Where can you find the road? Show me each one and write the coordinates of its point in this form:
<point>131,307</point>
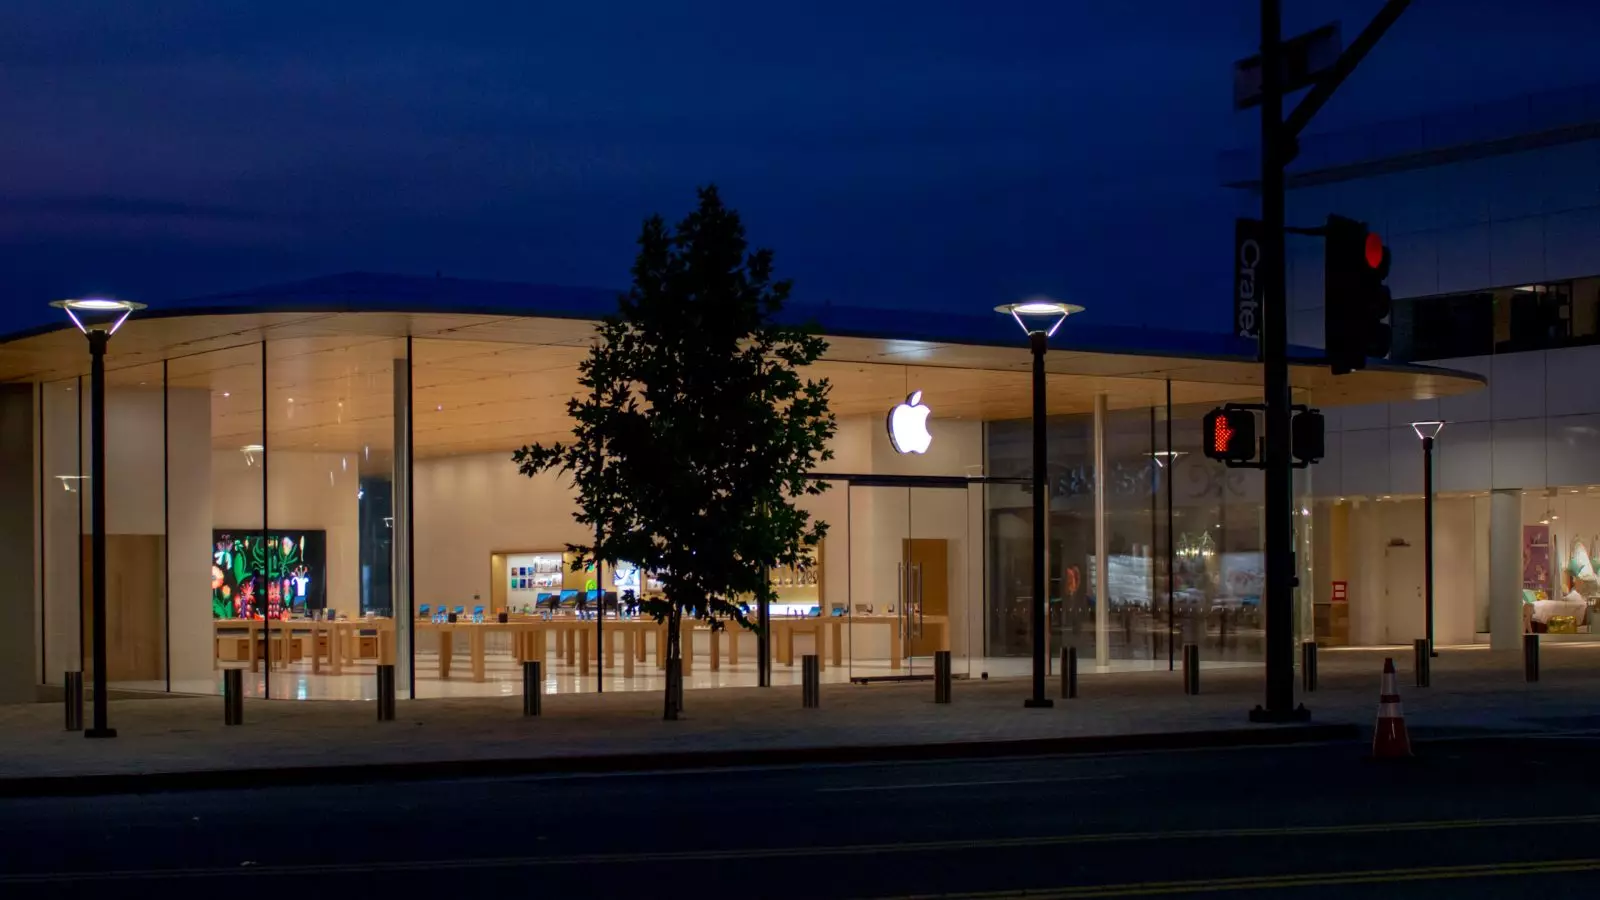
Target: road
<point>1482,818</point>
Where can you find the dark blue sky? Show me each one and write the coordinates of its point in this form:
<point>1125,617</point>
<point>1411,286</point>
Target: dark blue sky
<point>953,157</point>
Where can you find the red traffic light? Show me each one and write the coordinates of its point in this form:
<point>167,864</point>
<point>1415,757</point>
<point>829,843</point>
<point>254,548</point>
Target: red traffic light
<point>1374,249</point>
<point>1229,434</point>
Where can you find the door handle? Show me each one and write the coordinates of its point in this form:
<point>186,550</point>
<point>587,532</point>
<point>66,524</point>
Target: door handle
<point>899,597</point>
<point>922,606</point>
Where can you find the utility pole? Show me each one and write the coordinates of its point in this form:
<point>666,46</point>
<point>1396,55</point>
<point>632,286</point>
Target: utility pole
<point>1279,488</point>
<point>1279,147</point>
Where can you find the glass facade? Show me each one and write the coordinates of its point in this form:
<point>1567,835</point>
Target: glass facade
<point>308,508</point>
<point>1183,542</point>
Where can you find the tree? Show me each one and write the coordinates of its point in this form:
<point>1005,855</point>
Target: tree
<point>696,431</point>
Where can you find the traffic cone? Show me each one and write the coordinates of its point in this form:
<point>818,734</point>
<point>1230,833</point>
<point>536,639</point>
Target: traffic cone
<point>1390,740</point>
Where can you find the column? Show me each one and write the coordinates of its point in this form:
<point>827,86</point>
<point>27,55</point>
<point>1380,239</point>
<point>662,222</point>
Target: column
<point>19,558</point>
<point>401,511</point>
<point>1102,613</point>
<point>1505,570</point>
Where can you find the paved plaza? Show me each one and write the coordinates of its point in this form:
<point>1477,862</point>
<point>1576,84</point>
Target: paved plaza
<point>1474,691</point>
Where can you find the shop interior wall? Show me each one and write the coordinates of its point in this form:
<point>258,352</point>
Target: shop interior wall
<point>314,491</point>
<point>1386,605</point>
<point>468,507</point>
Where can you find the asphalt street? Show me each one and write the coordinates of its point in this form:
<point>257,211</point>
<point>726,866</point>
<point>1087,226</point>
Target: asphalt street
<point>1477,818</point>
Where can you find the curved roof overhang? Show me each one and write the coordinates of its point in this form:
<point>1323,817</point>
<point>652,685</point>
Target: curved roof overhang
<point>488,346</point>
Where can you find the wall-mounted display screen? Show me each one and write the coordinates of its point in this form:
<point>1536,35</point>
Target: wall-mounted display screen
<point>625,577</point>
<point>283,575</point>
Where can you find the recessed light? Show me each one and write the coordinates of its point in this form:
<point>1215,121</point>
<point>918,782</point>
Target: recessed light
<point>439,408</point>
<point>227,394</point>
<point>291,399</point>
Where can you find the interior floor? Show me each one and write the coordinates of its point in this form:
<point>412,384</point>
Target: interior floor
<point>503,677</point>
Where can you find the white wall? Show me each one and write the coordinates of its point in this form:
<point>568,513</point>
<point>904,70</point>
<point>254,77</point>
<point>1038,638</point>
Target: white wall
<point>472,506</point>
<point>1384,605</point>
<point>314,491</point>
<point>189,511</point>
<point>468,507</point>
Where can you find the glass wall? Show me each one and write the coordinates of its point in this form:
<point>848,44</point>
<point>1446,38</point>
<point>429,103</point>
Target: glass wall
<point>1199,579</point>
<point>216,484</point>
<point>330,426</point>
<point>65,504</point>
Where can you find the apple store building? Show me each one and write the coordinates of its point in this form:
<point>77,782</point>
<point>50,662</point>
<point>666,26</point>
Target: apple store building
<point>308,481</point>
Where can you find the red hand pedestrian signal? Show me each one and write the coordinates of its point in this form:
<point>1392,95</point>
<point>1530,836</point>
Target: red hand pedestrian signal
<point>1222,436</point>
<point>1230,435</point>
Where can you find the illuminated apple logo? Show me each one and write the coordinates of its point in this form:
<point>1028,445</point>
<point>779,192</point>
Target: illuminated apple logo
<point>908,425</point>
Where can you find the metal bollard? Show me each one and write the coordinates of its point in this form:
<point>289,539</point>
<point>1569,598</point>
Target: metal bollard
<point>232,696</point>
<point>1530,657</point>
<point>532,688</point>
<point>1422,661</point>
<point>941,676</point>
<point>1308,666</point>
<point>810,681</point>
<point>1191,668</point>
<point>72,694</point>
<point>1069,673</point>
<point>386,693</point>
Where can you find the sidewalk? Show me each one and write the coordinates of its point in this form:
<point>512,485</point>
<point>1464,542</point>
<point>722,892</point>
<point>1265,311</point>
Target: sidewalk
<point>1474,692</point>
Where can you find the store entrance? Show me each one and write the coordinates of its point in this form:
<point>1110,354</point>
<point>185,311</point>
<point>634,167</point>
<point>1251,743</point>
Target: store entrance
<point>911,563</point>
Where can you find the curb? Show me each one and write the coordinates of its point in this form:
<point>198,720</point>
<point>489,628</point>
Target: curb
<point>379,773</point>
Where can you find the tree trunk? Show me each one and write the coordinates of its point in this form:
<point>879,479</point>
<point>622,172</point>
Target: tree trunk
<point>674,699</point>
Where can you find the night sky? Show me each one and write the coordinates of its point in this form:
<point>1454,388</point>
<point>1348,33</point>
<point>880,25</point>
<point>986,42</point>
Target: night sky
<point>958,156</point>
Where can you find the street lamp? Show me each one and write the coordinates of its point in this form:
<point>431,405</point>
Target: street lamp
<point>98,318</point>
<point>1427,431</point>
<point>1040,318</point>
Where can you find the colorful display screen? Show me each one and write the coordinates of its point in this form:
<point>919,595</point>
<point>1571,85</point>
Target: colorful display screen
<point>283,576</point>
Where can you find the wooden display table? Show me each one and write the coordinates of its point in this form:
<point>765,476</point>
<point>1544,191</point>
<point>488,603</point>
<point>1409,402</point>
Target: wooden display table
<point>831,630</point>
<point>340,641</point>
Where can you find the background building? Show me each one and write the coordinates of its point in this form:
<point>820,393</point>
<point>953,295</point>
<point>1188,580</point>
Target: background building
<point>1493,217</point>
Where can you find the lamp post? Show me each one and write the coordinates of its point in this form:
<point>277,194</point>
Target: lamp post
<point>1040,318</point>
<point>1427,431</point>
<point>98,318</point>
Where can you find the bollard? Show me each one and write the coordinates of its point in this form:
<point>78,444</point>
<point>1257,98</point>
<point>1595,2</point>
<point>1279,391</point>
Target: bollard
<point>232,697</point>
<point>1308,666</point>
<point>386,693</point>
<point>532,688</point>
<point>1069,673</point>
<point>1422,660</point>
<point>941,676</point>
<point>1191,668</point>
<point>1530,656</point>
<point>811,681</point>
<point>72,693</point>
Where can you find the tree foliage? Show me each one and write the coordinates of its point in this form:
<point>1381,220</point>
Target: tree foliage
<point>696,428</point>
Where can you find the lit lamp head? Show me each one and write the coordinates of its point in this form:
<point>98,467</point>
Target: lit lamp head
<point>1427,431</point>
<point>98,314</point>
<point>1039,315</point>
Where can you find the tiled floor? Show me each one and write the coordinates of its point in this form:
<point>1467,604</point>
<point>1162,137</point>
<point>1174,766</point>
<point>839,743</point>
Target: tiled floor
<point>503,677</point>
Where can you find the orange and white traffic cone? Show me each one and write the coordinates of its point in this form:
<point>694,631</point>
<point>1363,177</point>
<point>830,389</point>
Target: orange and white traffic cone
<point>1390,740</point>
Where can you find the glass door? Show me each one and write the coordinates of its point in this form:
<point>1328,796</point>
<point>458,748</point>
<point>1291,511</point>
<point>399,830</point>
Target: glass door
<point>910,564</point>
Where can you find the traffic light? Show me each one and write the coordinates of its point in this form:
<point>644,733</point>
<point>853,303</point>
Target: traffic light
<point>1229,435</point>
<point>1355,301</point>
<point>1306,436</point>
